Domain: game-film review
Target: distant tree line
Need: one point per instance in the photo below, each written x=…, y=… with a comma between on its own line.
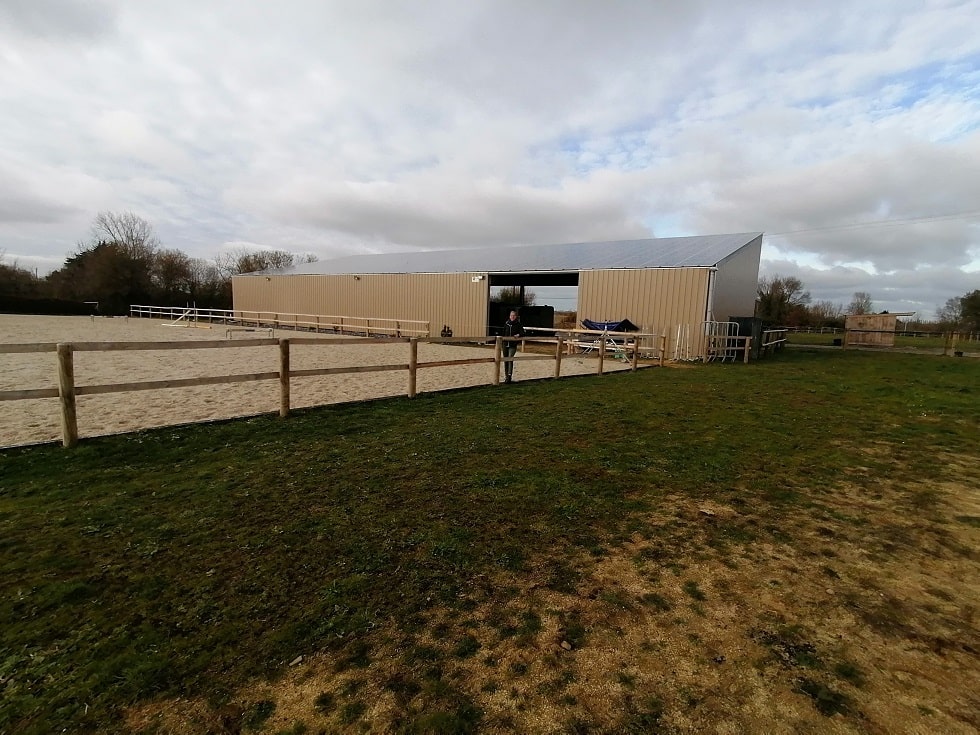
x=513, y=295
x=785, y=302
x=961, y=312
x=123, y=263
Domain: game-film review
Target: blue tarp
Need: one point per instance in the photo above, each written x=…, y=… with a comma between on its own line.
x=624, y=325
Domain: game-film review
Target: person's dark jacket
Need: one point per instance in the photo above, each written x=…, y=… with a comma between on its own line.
x=513, y=328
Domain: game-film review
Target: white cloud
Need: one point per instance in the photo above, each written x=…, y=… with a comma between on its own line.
x=339, y=127
x=58, y=19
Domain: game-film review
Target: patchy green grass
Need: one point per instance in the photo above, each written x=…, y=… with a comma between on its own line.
x=192, y=562
x=926, y=343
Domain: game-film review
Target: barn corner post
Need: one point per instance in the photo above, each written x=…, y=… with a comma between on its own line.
x=283, y=378
x=66, y=394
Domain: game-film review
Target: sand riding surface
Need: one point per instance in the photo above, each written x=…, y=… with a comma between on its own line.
x=38, y=420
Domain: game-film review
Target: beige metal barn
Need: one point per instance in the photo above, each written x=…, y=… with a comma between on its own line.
x=658, y=284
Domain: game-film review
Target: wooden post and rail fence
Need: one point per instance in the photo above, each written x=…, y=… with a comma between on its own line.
x=886, y=338
x=358, y=325
x=772, y=339
x=67, y=391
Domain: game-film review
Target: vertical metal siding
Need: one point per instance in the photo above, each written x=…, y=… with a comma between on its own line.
x=737, y=282
x=655, y=299
x=452, y=299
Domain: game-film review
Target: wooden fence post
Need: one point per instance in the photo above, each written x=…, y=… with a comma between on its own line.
x=284, y=378
x=498, y=353
x=558, y=357
x=66, y=393
x=748, y=349
x=663, y=349
x=602, y=352
x=636, y=354
x=413, y=364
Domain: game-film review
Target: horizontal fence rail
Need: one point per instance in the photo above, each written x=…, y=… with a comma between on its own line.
x=585, y=341
x=67, y=391
x=773, y=339
x=367, y=326
x=885, y=338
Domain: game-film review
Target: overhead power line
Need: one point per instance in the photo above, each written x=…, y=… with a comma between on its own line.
x=881, y=223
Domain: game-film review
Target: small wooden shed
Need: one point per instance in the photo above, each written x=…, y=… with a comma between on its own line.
x=871, y=330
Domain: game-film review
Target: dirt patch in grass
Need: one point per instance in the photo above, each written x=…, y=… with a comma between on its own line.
x=856, y=617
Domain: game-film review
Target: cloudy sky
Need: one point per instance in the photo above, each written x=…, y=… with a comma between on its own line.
x=848, y=132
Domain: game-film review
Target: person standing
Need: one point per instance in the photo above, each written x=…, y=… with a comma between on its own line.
x=512, y=328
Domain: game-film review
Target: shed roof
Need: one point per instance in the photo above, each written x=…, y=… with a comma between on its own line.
x=664, y=252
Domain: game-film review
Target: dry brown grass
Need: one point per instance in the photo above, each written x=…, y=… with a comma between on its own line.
x=862, y=620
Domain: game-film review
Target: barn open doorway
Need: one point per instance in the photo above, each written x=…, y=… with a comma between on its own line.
x=553, y=297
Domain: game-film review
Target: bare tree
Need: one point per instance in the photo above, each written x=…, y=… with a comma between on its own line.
x=779, y=297
x=861, y=303
x=129, y=231
x=242, y=260
x=824, y=312
x=512, y=295
x=950, y=315
x=209, y=286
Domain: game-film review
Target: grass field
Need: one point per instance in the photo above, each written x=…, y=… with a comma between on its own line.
x=928, y=343
x=788, y=546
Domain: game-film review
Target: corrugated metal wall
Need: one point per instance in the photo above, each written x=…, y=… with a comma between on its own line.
x=655, y=299
x=737, y=282
x=452, y=299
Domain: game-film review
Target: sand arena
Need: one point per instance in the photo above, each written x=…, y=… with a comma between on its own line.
x=37, y=421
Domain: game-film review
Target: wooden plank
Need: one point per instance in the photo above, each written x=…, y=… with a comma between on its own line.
x=602, y=354
x=28, y=347
x=30, y=393
x=312, y=372
x=348, y=341
x=67, y=393
x=93, y=390
x=191, y=345
x=531, y=357
x=449, y=363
